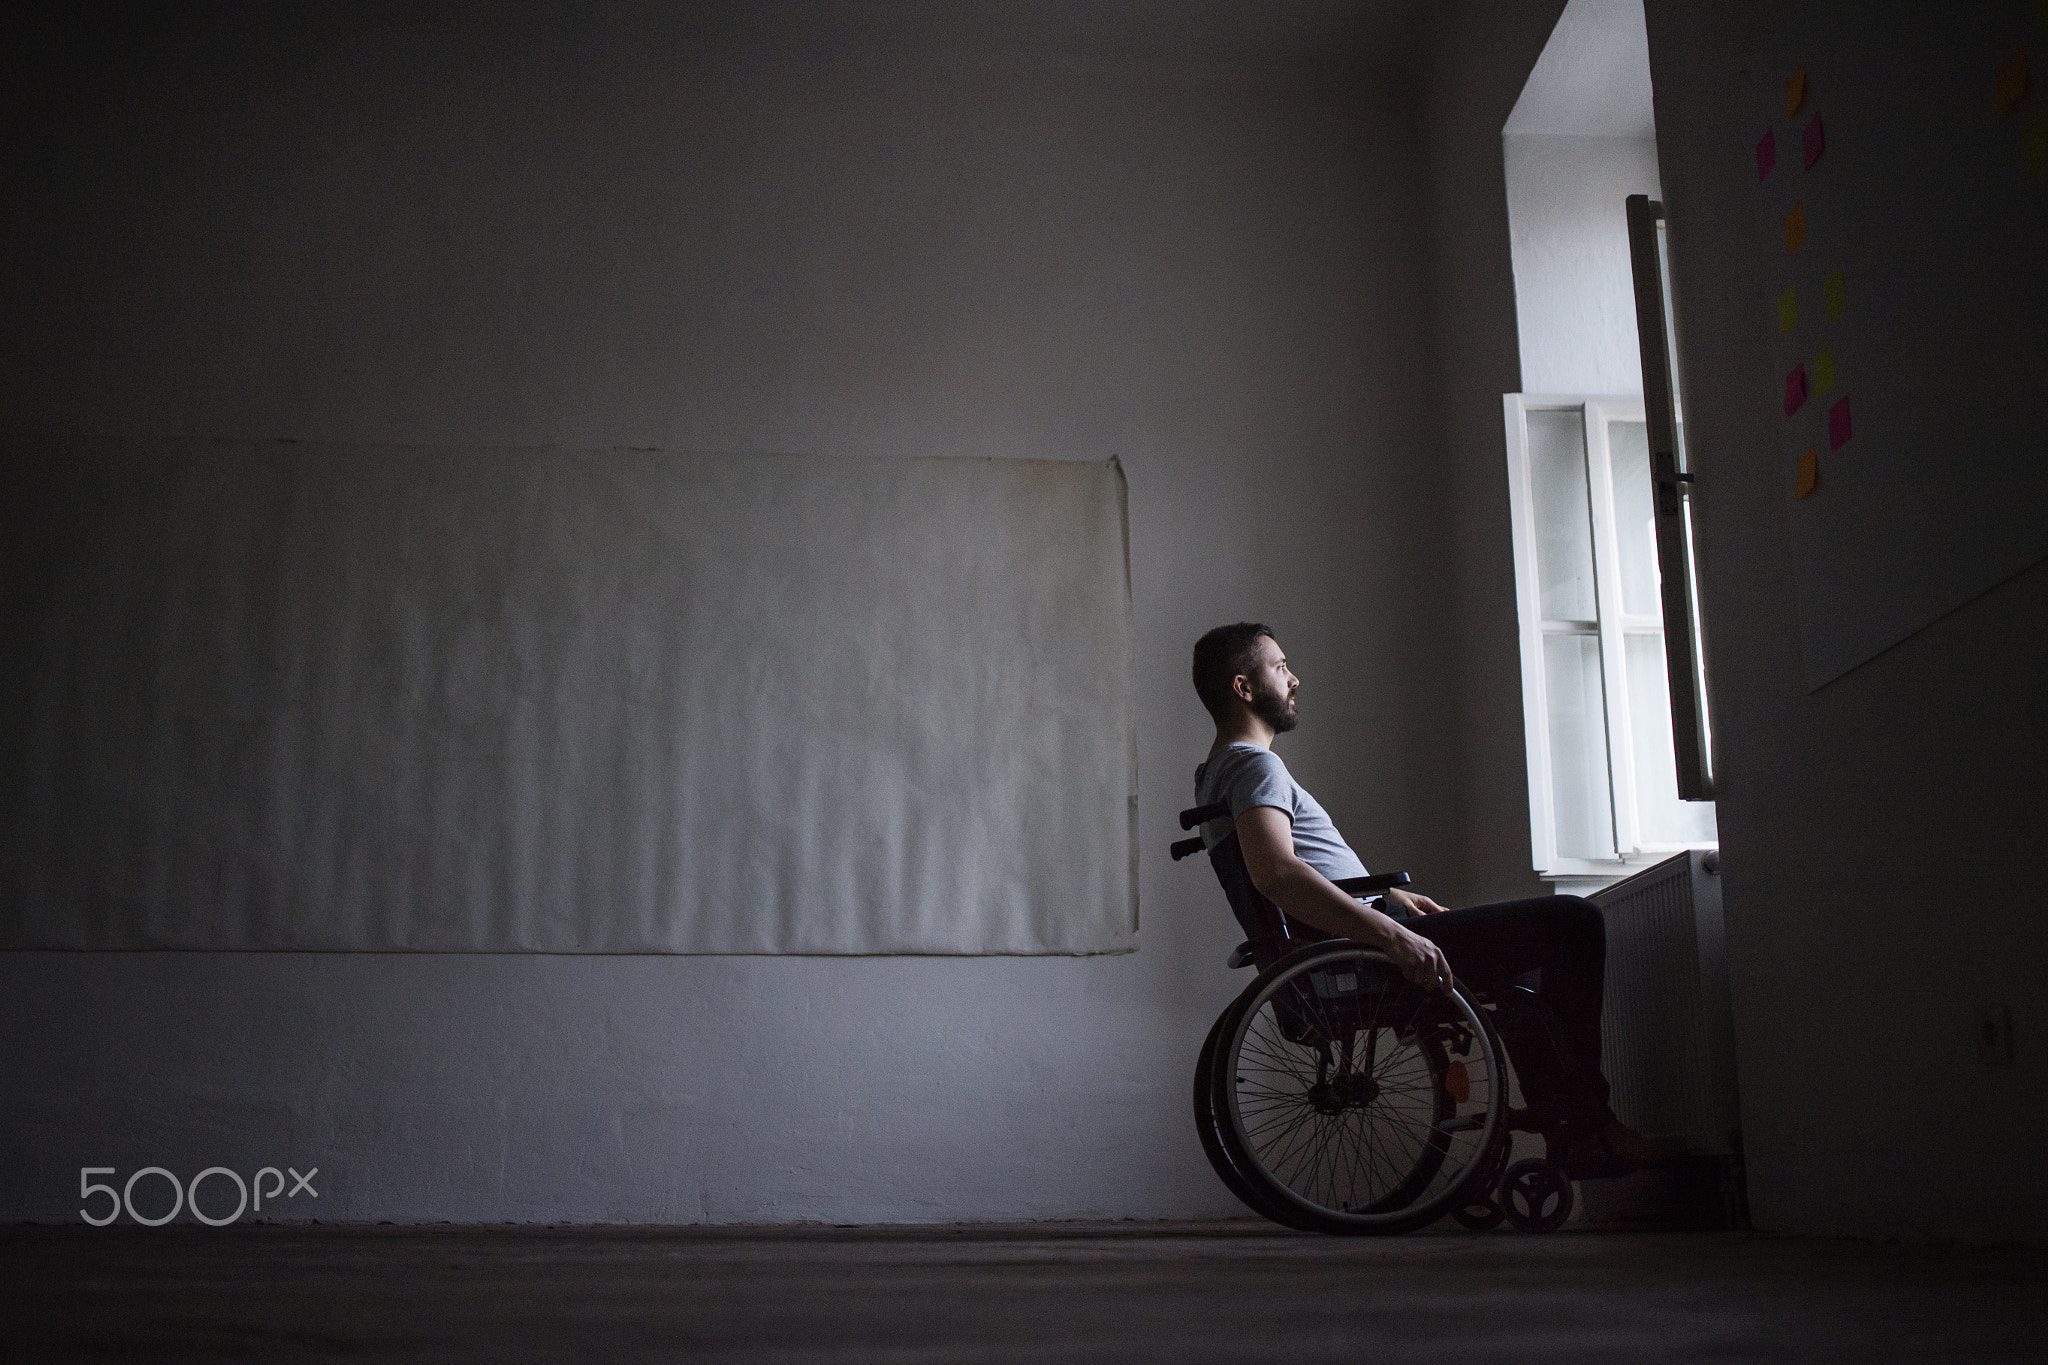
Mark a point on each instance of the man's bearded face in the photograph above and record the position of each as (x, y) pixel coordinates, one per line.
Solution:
(1271, 704)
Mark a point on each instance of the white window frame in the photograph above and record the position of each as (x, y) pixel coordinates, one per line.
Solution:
(1611, 626)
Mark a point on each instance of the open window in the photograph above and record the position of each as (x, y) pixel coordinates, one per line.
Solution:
(1671, 499)
(1603, 776)
(1620, 766)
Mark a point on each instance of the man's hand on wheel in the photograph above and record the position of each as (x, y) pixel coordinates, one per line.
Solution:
(1419, 960)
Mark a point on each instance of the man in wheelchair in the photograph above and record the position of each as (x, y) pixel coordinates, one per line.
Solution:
(1295, 857)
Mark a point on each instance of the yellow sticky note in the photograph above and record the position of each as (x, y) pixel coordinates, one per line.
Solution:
(1824, 369)
(1795, 227)
(1809, 470)
(2009, 83)
(1795, 91)
(2034, 140)
(1834, 294)
(1788, 310)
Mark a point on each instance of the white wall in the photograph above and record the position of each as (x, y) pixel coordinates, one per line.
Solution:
(1479, 54)
(1580, 140)
(1228, 269)
(1574, 302)
(1205, 254)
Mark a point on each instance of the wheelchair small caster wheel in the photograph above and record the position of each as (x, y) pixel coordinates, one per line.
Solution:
(1535, 1196)
(1479, 1214)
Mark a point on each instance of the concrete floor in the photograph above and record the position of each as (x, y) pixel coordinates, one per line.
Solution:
(1178, 1292)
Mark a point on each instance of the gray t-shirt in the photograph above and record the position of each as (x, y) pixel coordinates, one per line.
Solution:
(1244, 775)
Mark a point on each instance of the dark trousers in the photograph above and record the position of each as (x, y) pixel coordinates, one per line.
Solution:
(1564, 940)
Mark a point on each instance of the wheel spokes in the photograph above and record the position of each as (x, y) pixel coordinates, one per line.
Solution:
(1340, 1090)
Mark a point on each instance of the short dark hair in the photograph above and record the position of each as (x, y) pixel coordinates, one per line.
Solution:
(1222, 655)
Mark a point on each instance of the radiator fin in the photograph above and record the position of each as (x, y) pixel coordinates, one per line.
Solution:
(1661, 1048)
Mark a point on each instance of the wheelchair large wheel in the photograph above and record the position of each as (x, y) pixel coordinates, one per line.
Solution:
(1212, 1139)
(1350, 1101)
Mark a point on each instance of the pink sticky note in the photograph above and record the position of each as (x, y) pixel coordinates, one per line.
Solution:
(1838, 425)
(1813, 141)
(1766, 153)
(1795, 393)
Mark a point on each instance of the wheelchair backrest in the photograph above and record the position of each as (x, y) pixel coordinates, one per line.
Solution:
(1265, 924)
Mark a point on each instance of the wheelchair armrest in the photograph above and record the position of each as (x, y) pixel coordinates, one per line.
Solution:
(1360, 886)
(1202, 815)
(1181, 848)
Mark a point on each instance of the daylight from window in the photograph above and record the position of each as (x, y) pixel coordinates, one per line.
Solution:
(1604, 788)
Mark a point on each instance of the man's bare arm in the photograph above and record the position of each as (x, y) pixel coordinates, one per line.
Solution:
(1266, 836)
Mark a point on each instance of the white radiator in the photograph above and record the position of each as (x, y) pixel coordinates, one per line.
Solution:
(1668, 1044)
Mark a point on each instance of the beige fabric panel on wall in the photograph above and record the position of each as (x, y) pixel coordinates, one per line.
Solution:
(295, 696)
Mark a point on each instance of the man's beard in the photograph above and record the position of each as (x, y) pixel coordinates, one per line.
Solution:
(1276, 708)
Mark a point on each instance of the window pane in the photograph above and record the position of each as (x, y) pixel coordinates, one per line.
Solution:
(1579, 790)
(1564, 525)
(1635, 528)
(1699, 649)
(1671, 345)
(1660, 815)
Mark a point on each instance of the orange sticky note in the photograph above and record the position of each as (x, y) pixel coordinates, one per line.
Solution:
(1795, 91)
(1795, 227)
(1834, 294)
(1824, 369)
(1788, 310)
(2009, 83)
(1809, 470)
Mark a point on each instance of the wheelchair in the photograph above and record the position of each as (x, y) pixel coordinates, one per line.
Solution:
(1333, 1096)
